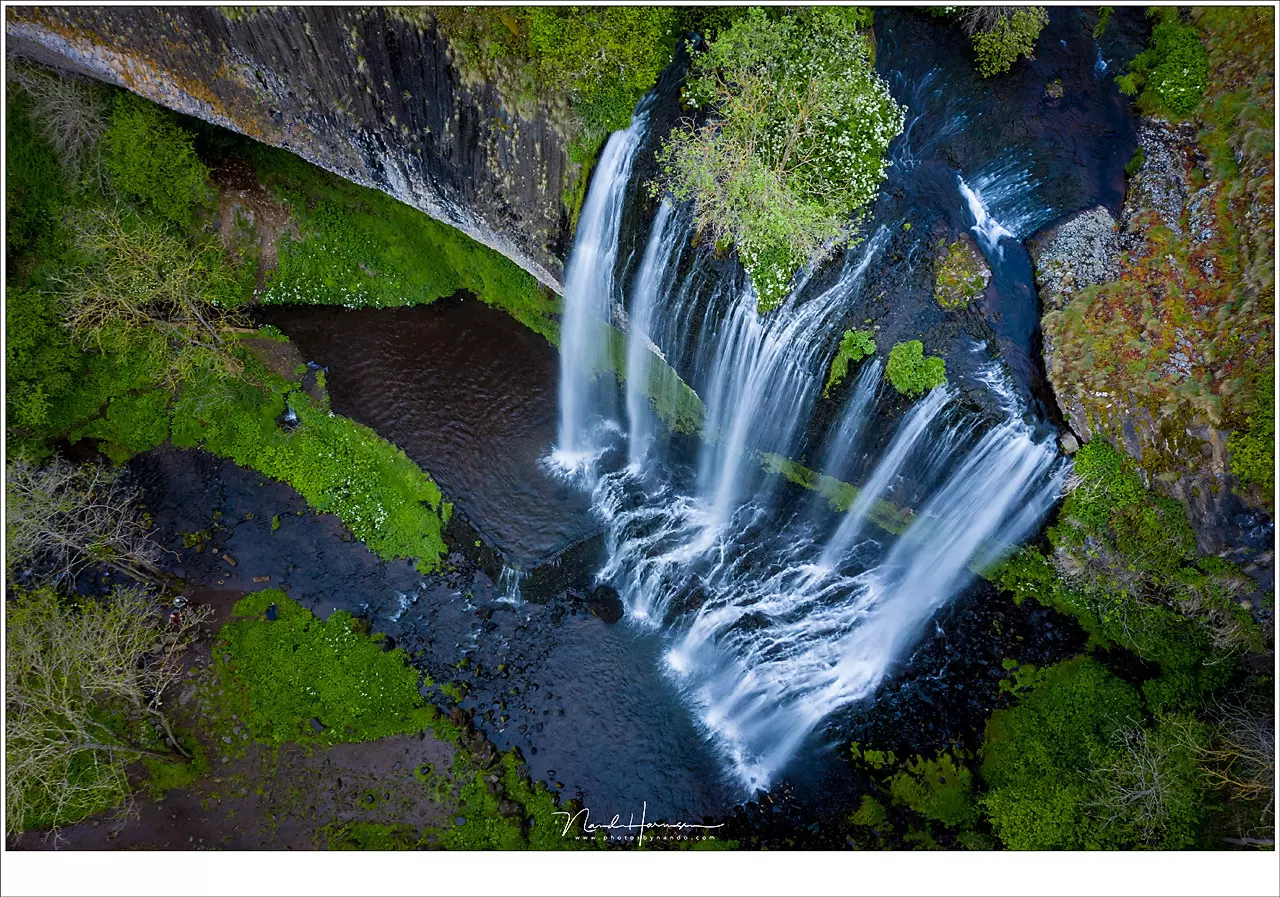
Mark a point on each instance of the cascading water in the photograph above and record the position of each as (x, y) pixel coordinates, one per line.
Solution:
(776, 612)
(590, 290)
(652, 281)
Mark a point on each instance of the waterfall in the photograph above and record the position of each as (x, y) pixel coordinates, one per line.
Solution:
(764, 380)
(589, 293)
(775, 622)
(651, 283)
(843, 445)
(887, 471)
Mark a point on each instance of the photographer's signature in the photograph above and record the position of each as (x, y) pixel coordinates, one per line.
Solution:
(616, 824)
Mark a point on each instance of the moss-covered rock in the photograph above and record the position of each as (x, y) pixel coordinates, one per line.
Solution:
(962, 274)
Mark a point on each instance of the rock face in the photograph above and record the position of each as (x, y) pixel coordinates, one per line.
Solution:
(1183, 455)
(1079, 252)
(368, 93)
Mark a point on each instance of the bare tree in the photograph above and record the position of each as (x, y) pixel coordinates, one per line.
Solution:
(1153, 781)
(73, 673)
(70, 112)
(140, 280)
(973, 19)
(1241, 760)
(64, 518)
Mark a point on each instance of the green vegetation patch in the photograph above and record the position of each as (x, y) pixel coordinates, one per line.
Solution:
(839, 494)
(855, 345)
(152, 161)
(1125, 564)
(361, 248)
(1253, 446)
(1071, 766)
(795, 148)
(1012, 34)
(1170, 76)
(282, 673)
(911, 373)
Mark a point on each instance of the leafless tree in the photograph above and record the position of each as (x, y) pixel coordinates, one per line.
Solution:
(64, 518)
(73, 671)
(1241, 760)
(70, 113)
(973, 19)
(141, 289)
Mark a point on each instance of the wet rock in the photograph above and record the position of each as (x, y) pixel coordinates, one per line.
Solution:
(605, 603)
(316, 725)
(509, 809)
(262, 579)
(229, 559)
(389, 109)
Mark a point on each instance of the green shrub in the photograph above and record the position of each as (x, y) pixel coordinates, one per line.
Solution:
(1039, 758)
(1171, 75)
(795, 147)
(910, 372)
(284, 672)
(41, 361)
(1252, 447)
(1010, 36)
(940, 790)
(855, 345)
(1126, 565)
(34, 191)
(601, 59)
(151, 161)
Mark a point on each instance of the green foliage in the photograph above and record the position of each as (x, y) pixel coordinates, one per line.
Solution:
(940, 790)
(1252, 447)
(1125, 564)
(855, 345)
(151, 161)
(600, 59)
(1073, 766)
(910, 372)
(41, 361)
(870, 813)
(604, 57)
(361, 248)
(336, 464)
(795, 147)
(1170, 76)
(840, 495)
(1040, 755)
(998, 48)
(1104, 18)
(369, 836)
(962, 275)
(34, 190)
(283, 672)
(1135, 163)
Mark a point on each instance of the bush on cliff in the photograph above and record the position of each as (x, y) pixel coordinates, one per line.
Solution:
(794, 148)
(910, 372)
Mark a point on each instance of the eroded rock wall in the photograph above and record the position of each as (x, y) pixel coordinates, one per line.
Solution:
(366, 93)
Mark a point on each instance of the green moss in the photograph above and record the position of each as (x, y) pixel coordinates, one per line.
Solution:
(1252, 447)
(870, 813)
(361, 248)
(910, 372)
(855, 345)
(34, 190)
(940, 790)
(165, 776)
(369, 836)
(962, 275)
(279, 674)
(839, 494)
